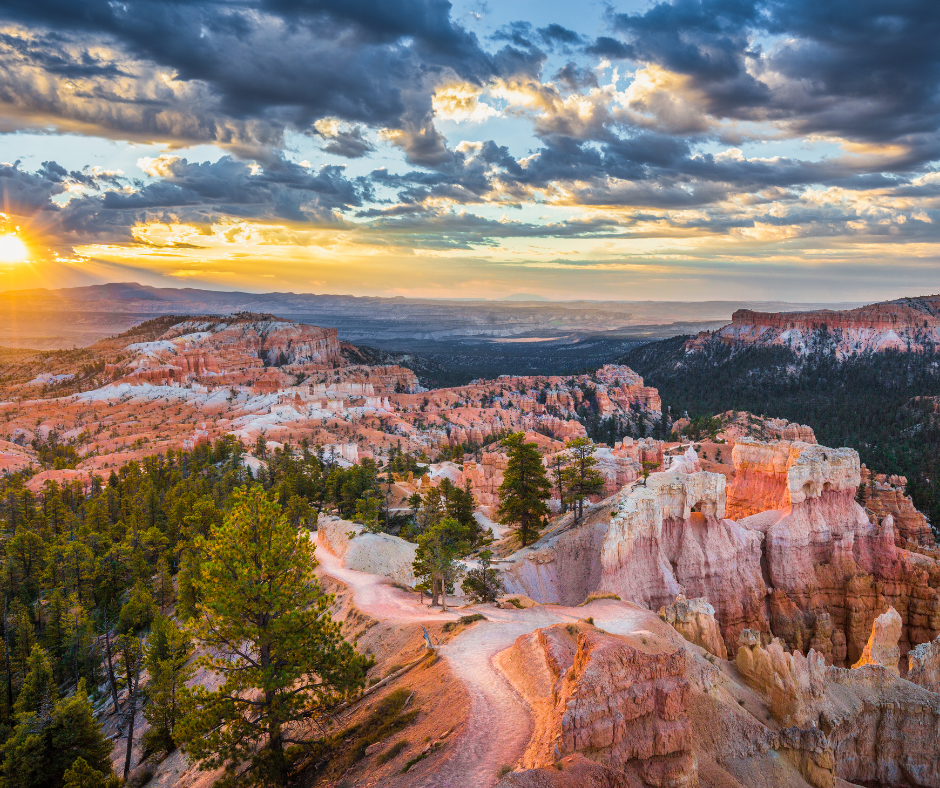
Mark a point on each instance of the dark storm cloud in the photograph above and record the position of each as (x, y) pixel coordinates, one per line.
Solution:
(867, 69)
(24, 193)
(231, 187)
(280, 63)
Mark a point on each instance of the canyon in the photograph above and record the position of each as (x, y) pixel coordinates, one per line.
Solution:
(749, 608)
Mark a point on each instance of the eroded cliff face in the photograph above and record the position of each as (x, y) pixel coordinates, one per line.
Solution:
(806, 563)
(619, 701)
(904, 324)
(671, 538)
(882, 495)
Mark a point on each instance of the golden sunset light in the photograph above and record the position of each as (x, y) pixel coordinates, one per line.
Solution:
(470, 394)
(12, 249)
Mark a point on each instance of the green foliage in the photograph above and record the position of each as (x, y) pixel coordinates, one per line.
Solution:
(169, 700)
(81, 775)
(38, 692)
(138, 611)
(580, 478)
(702, 428)
(525, 488)
(392, 752)
(267, 632)
(368, 509)
(483, 583)
(436, 563)
(44, 746)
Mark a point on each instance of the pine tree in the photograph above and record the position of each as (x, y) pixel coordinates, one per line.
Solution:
(186, 580)
(436, 560)
(483, 584)
(167, 695)
(81, 775)
(44, 747)
(580, 476)
(38, 692)
(266, 630)
(525, 488)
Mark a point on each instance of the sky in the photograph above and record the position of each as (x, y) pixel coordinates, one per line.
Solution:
(680, 150)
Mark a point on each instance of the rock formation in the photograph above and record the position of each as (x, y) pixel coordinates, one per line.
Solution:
(620, 702)
(377, 554)
(882, 647)
(923, 663)
(904, 324)
(884, 495)
(671, 537)
(694, 619)
(793, 683)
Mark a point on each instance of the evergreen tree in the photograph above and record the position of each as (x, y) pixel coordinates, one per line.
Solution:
(44, 746)
(265, 626)
(81, 775)
(580, 476)
(38, 693)
(525, 488)
(436, 560)
(167, 695)
(483, 583)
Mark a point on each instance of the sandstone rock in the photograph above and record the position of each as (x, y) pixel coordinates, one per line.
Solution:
(624, 705)
(905, 324)
(377, 554)
(794, 684)
(924, 665)
(882, 647)
(669, 538)
(694, 619)
(883, 731)
(884, 497)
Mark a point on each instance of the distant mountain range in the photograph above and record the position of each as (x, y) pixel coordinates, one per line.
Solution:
(46, 319)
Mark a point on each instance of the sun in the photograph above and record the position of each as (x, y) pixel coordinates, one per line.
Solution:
(12, 249)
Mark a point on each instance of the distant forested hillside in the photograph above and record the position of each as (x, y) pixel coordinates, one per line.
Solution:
(865, 401)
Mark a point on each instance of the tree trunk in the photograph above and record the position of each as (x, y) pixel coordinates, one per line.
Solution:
(132, 711)
(443, 596)
(433, 591)
(111, 680)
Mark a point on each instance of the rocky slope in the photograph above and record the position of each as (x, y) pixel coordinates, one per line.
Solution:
(803, 562)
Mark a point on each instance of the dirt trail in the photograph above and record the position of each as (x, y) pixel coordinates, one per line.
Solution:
(499, 723)
(375, 596)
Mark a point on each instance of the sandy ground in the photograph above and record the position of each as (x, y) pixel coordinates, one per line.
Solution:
(499, 724)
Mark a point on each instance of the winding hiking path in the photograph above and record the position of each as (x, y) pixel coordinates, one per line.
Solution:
(499, 723)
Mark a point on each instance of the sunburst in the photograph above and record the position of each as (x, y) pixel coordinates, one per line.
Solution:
(12, 249)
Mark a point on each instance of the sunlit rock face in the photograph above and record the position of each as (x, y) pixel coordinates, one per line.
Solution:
(882, 646)
(620, 701)
(670, 537)
(694, 619)
(774, 475)
(830, 569)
